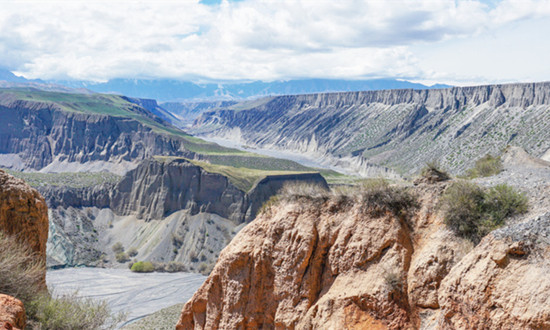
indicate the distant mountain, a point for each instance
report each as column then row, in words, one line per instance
column 175, row 90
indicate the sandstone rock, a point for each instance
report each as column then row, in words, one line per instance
column 12, row 313
column 503, row 283
column 23, row 213
column 328, row 264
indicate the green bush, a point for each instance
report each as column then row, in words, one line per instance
column 486, row 166
column 143, row 267
column 117, row 247
column 70, row 312
column 122, row 257
column 472, row 212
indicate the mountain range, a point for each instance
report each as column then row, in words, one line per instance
column 164, row 90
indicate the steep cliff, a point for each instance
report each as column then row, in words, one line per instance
column 38, row 134
column 23, row 213
column 400, row 129
column 195, row 213
column 330, row 262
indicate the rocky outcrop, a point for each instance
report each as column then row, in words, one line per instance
column 23, row 213
column 503, row 283
column 329, row 263
column 402, row 129
column 12, row 313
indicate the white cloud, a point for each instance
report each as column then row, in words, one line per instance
column 264, row 39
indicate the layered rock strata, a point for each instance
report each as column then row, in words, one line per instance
column 399, row 129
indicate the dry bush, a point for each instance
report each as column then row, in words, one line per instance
column 21, row 272
column 379, row 197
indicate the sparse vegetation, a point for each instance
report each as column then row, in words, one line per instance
column 472, row 212
column 122, row 257
column 433, row 172
column 379, row 197
column 117, row 247
column 393, row 281
column 70, row 312
column 21, row 276
column 132, row 252
column 162, row 267
column 486, row 166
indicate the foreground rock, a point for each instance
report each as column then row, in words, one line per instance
column 503, row 283
column 12, row 313
column 330, row 263
column 23, row 213
column 334, row 264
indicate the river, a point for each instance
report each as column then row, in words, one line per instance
column 138, row 294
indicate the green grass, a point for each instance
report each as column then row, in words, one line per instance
column 73, row 180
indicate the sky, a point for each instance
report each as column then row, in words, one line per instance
column 430, row 41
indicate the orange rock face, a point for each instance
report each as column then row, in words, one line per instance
column 328, row 265
column 23, row 213
column 12, row 313
column 503, row 283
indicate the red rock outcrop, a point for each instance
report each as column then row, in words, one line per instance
column 12, row 313
column 23, row 213
column 328, row 264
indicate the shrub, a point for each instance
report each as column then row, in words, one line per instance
column 379, row 197
column 433, row 173
column 117, row 247
column 486, row 166
column 132, row 252
column 122, row 257
column 472, row 212
column 21, row 272
column 70, row 312
column 292, row 191
column 143, row 267
column 21, row 276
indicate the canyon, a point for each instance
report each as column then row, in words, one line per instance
column 392, row 132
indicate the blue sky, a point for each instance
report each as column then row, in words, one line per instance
column 457, row 42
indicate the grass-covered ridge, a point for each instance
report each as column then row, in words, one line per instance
column 111, row 105
column 243, row 178
column 66, row 179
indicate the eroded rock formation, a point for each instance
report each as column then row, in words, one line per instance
column 23, row 213
column 332, row 264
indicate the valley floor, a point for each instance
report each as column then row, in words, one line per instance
column 125, row 291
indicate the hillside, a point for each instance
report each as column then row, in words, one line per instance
column 398, row 129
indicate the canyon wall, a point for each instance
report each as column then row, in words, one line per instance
column 396, row 129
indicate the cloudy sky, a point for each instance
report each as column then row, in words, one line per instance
column 457, row 42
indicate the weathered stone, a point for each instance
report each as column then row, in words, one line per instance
column 12, row 313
